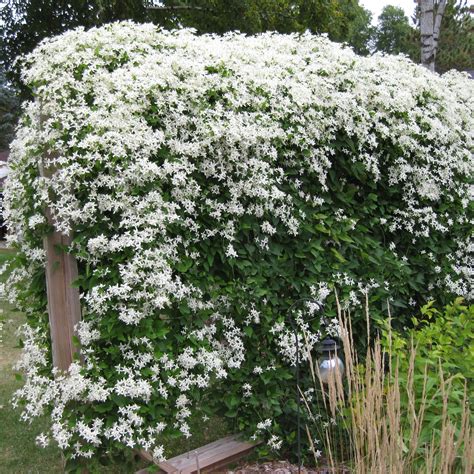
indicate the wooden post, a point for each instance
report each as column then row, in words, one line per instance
column 64, row 307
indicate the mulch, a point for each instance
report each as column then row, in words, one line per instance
column 284, row 467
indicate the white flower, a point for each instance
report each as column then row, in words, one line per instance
column 275, row 443
column 35, row 220
column 158, row 453
column 230, row 252
column 263, row 425
column 268, row 228
column 42, row 440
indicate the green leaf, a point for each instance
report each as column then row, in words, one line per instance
column 338, row 255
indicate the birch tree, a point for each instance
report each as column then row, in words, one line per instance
column 431, row 14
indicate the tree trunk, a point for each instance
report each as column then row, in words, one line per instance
column 426, row 33
column 437, row 24
column 430, row 24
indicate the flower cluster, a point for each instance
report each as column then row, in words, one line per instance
column 208, row 183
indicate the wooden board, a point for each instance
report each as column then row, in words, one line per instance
column 208, row 458
column 64, row 307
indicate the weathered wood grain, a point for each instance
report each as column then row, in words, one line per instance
column 64, row 309
column 208, row 458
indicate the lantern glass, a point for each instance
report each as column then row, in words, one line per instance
column 329, row 364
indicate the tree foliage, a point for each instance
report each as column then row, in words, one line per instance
column 360, row 31
column 27, row 22
column 335, row 18
column 394, row 34
column 9, row 111
column 456, row 41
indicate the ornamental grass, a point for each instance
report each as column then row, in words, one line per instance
column 382, row 423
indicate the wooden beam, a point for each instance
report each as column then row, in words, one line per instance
column 208, row 458
column 64, row 308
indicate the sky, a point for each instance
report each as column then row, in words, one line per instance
column 376, row 7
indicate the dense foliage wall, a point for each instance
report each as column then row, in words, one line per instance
column 209, row 183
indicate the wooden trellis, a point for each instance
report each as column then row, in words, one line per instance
column 64, row 311
column 64, row 308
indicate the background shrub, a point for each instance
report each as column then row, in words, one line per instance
column 443, row 341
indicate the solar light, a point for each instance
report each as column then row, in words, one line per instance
column 330, row 365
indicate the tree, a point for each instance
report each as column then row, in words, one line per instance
column 9, row 110
column 339, row 20
column 113, row 10
column 456, row 38
column 360, row 32
column 431, row 14
column 220, row 16
column 394, row 35
column 454, row 41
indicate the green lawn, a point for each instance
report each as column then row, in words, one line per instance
column 18, row 451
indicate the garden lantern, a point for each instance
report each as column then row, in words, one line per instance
column 329, row 363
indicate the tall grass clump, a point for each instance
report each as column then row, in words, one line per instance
column 404, row 407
